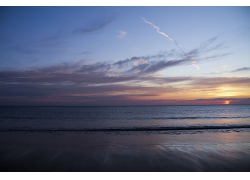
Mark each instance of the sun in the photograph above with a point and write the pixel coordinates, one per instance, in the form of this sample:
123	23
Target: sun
226	102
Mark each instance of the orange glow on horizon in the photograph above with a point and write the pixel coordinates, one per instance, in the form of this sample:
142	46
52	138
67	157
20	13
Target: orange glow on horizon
226	102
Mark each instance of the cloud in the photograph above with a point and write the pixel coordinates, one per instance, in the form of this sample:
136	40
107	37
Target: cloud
207	46
160	61
175	42
56	43
157	66
50	44
95	27
241	69
212	101
31	87
206	83
236	70
88	52
130	69
121	34
128	81
84	85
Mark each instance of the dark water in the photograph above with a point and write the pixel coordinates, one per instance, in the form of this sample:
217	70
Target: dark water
137	117
140	138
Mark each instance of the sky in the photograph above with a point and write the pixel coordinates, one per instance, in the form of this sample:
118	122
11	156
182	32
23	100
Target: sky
124	55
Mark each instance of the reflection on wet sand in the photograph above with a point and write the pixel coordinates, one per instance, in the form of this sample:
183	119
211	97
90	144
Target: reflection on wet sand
207	151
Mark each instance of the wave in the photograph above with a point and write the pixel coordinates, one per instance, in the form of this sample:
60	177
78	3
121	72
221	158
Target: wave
118	129
133	118
200	117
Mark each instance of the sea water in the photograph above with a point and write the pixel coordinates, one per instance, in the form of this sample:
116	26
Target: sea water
128	138
125	117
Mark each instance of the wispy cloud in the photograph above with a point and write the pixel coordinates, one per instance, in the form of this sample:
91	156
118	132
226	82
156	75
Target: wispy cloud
51	44
157	66
95	27
79	83
203	47
241	69
132	80
207	82
176	43
167	59
121	34
204	101
98	75
233	71
106	72
57	42
88	52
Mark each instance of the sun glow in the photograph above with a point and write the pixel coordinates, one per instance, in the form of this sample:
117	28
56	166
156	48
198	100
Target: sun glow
226	102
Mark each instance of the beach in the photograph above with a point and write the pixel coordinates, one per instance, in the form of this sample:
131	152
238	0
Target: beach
221	151
124	89
125	139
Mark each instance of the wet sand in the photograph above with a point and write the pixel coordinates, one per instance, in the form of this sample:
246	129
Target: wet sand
221	150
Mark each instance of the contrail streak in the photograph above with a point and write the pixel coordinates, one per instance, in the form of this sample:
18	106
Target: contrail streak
171	39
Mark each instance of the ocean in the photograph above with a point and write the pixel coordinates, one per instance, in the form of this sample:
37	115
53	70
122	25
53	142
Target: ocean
125	138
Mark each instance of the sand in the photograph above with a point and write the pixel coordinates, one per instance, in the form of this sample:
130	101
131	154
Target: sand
179	151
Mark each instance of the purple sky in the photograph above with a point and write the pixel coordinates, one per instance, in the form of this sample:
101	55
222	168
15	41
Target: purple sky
124	55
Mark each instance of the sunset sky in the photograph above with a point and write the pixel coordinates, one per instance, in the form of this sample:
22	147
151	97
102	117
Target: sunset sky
124	55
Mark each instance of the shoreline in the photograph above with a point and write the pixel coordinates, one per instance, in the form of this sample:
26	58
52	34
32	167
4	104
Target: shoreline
117	129
105	152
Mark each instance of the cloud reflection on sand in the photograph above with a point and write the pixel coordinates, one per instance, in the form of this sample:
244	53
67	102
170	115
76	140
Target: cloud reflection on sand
70	151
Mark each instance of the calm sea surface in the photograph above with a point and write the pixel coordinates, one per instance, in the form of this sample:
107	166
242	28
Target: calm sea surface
131	117
134	138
